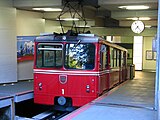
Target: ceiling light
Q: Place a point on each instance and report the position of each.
(148, 26)
(134, 18)
(47, 9)
(139, 18)
(144, 18)
(84, 26)
(69, 19)
(134, 7)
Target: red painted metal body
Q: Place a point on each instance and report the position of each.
(75, 87)
(79, 85)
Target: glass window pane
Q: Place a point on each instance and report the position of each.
(49, 55)
(81, 56)
(111, 57)
(104, 57)
(117, 58)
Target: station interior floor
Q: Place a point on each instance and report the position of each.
(132, 100)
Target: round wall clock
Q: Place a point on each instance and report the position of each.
(137, 26)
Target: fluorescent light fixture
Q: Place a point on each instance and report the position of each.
(69, 19)
(134, 18)
(47, 9)
(134, 7)
(148, 26)
(139, 18)
(144, 18)
(83, 26)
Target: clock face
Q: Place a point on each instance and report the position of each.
(137, 26)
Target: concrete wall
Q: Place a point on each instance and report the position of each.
(28, 24)
(147, 45)
(52, 26)
(8, 48)
(122, 31)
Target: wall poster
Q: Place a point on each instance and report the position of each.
(149, 55)
(25, 48)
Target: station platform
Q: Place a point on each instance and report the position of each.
(14, 93)
(132, 100)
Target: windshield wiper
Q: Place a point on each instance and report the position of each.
(79, 41)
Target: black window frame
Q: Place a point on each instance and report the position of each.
(44, 49)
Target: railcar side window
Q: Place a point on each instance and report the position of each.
(104, 56)
(81, 56)
(115, 57)
(118, 54)
(49, 56)
(122, 59)
(111, 57)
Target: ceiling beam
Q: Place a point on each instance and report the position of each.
(78, 23)
(110, 22)
(54, 15)
(123, 23)
(37, 3)
(126, 14)
(102, 2)
(93, 3)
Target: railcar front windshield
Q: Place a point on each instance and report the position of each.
(49, 55)
(79, 56)
(76, 56)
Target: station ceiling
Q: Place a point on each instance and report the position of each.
(99, 13)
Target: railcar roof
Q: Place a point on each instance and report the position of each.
(66, 38)
(84, 38)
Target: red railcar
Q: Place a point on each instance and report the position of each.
(72, 70)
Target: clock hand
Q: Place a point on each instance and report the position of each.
(137, 27)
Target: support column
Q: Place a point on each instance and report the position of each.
(157, 86)
(8, 42)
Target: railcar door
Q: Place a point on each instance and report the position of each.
(124, 65)
(114, 67)
(104, 68)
